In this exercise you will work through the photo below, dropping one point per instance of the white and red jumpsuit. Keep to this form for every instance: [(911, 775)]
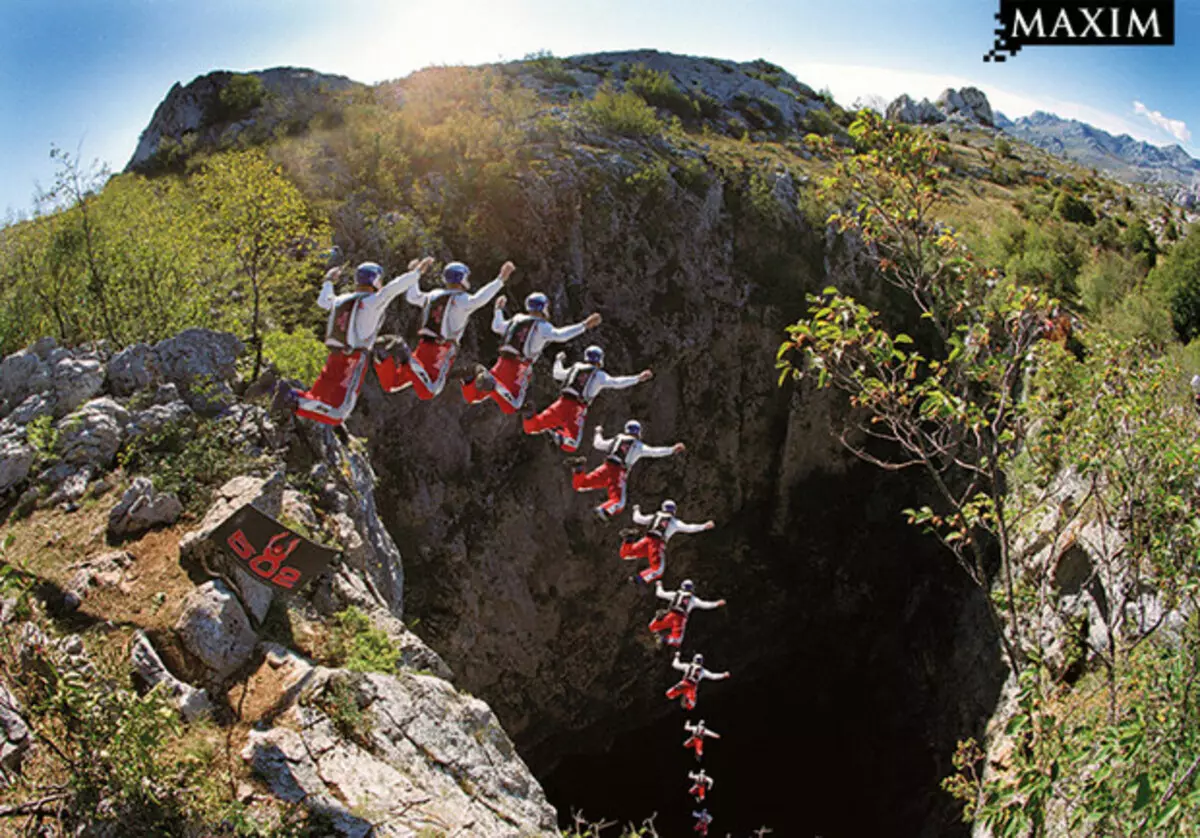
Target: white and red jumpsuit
[(444, 315), (693, 674), (698, 733), (703, 819), (524, 336), (565, 417), (623, 451), (353, 327), (653, 545), (701, 783), (675, 620)]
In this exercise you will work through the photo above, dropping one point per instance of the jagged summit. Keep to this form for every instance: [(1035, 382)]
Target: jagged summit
[(195, 109), (969, 104)]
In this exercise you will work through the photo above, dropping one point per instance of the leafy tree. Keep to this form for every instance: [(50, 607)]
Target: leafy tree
[(951, 410), (261, 223), (1178, 278)]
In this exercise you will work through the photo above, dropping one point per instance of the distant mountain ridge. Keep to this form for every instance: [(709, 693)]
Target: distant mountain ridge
[(1091, 146)]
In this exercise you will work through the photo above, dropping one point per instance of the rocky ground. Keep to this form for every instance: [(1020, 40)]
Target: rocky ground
[(398, 753)]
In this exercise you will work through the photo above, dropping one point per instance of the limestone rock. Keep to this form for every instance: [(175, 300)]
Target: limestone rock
[(76, 381), (904, 109), (193, 703), (15, 739), (93, 433), (133, 368), (158, 416), (25, 373), (141, 507), (39, 404), (69, 483), (426, 757), (971, 102), (104, 571), (197, 549), (198, 359), (16, 459), (215, 629)]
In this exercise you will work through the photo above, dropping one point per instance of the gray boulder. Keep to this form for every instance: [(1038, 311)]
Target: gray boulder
[(196, 548), (93, 434), (141, 507), (192, 703), (106, 571), (133, 368), (425, 757), (15, 739), (158, 416), (26, 372), (39, 404), (215, 629), (969, 102), (904, 109), (199, 355), (16, 459), (76, 381), (69, 483)]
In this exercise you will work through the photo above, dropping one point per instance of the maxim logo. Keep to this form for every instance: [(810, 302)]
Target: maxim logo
[(1026, 23)]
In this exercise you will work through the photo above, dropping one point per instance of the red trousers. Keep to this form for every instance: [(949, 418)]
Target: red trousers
[(701, 827), (564, 418), (673, 622), (512, 378), (653, 549), (698, 791), (686, 689), (335, 392), (696, 743), (609, 476), (425, 372)]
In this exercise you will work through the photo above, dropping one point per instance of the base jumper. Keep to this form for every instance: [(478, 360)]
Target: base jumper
[(693, 674), (444, 314), (703, 819), (698, 734), (350, 334), (581, 384), (652, 546), (523, 339), (673, 621), (622, 452), (701, 783)]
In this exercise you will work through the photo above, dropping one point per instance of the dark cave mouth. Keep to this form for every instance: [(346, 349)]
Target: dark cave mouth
[(831, 760)]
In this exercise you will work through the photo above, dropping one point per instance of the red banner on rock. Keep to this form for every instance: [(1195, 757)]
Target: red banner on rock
[(270, 551)]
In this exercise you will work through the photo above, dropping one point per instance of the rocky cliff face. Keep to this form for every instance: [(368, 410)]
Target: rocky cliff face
[(967, 105), (188, 110), (519, 587)]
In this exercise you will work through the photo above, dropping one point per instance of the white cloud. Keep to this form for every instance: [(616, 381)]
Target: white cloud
[(851, 82), (1177, 128)]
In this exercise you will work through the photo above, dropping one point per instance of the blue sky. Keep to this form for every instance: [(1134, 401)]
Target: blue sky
[(87, 74)]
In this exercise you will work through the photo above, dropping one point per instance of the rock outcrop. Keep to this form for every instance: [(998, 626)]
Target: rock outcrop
[(192, 109), (141, 507), (968, 105), (390, 755)]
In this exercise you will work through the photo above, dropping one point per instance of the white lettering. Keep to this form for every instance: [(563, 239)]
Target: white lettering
[(1091, 22), (1063, 22), (1037, 19), (1142, 27)]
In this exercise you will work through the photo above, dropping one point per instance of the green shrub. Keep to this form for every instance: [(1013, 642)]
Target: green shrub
[(622, 112), (1003, 147), (1070, 208), (190, 457), (240, 95), (356, 645), (340, 702), (818, 121), (298, 355), (42, 435), (550, 69), (660, 91)]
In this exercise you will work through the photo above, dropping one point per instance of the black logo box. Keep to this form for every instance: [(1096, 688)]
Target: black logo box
[(269, 551), (1024, 23)]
